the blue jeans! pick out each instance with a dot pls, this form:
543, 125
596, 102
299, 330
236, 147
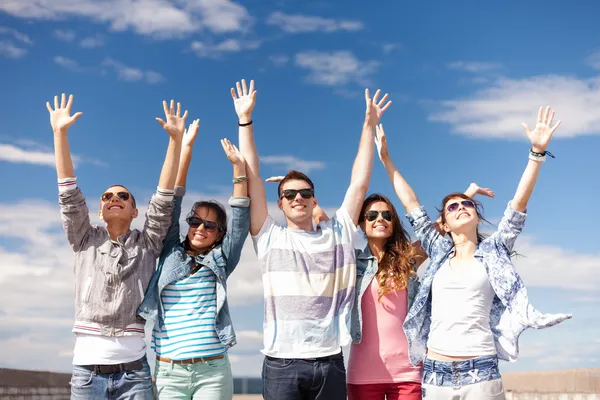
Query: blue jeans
476, 378
292, 379
127, 385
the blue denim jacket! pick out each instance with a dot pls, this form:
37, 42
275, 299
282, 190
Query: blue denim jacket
174, 264
366, 269
511, 312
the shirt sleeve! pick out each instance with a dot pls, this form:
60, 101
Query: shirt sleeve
264, 239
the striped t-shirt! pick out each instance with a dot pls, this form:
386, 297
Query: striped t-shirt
308, 280
189, 321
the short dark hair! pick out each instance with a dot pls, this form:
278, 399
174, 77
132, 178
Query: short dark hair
221, 218
294, 175
128, 191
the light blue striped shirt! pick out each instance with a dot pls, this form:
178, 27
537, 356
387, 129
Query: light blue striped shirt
190, 312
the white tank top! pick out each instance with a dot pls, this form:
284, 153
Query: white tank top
460, 311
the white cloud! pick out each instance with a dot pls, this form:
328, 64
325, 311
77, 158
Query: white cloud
92, 42
209, 50
594, 60
130, 74
157, 18
64, 35
299, 23
9, 50
287, 162
474, 66
336, 68
497, 111
546, 266
15, 34
279, 60
67, 63
14, 154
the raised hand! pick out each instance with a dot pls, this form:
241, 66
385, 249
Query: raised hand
232, 152
381, 143
189, 136
61, 118
375, 109
475, 189
244, 101
541, 135
175, 125
275, 179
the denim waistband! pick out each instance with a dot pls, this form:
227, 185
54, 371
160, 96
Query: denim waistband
479, 363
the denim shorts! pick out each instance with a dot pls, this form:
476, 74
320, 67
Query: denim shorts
460, 373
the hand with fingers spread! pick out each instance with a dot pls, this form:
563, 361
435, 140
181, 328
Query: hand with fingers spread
175, 125
232, 152
189, 136
61, 118
375, 108
541, 135
381, 143
244, 100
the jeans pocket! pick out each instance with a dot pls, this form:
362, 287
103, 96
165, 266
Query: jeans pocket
338, 365
493, 389
278, 363
81, 378
140, 375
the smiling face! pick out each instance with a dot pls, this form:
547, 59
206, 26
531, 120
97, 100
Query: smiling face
378, 228
460, 215
297, 209
203, 237
114, 206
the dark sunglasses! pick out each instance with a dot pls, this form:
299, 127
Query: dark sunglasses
372, 215
291, 194
195, 222
122, 195
454, 206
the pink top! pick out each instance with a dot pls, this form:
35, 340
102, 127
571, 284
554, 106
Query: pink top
382, 355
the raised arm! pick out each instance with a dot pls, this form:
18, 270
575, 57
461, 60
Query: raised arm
160, 209
189, 137
244, 102
175, 126
539, 137
61, 120
233, 242
363, 163
403, 190
74, 212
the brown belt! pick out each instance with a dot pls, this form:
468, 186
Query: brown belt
189, 360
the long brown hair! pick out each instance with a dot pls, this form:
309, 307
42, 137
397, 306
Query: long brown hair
396, 265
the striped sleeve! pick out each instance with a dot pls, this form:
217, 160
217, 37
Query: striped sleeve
67, 184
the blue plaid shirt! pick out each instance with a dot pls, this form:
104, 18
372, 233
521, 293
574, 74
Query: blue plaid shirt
511, 312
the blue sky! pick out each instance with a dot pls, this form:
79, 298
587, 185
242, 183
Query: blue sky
462, 77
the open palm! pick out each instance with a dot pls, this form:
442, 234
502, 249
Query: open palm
60, 117
244, 100
175, 124
375, 108
541, 135
189, 136
232, 152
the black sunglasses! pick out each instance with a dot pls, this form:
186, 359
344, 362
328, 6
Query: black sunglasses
291, 194
195, 222
122, 195
454, 206
372, 215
